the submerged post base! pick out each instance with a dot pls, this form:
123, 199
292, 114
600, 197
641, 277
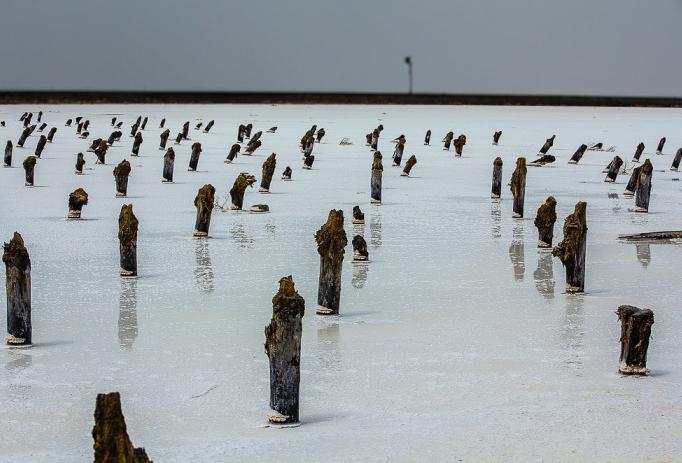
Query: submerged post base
120, 195
28, 184
628, 193
127, 273
263, 190
572, 162
640, 209
358, 222
306, 167
279, 420
15, 341
324, 310
359, 257
625, 369
574, 289
494, 196
404, 174
516, 215
375, 201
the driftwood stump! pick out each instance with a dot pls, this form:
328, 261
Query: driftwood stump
633, 182
18, 289
80, 162
359, 248
571, 250
548, 144
29, 168
676, 162
496, 191
661, 143
638, 152
121, 173
194, 158
7, 160
577, 156
137, 143
409, 165
77, 199
544, 222
375, 181
204, 203
331, 243
268, 172
127, 241
643, 192
112, 444
635, 332
242, 181
358, 216
496, 137
427, 137
168, 165
164, 139
283, 348
518, 187
613, 169
233, 153
286, 175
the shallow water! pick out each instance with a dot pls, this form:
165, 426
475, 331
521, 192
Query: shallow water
456, 341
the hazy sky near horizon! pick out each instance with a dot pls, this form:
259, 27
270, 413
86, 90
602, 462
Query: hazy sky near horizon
577, 47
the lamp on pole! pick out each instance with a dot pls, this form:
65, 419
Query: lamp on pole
408, 61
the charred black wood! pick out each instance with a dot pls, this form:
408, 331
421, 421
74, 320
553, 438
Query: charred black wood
185, 130
144, 123
320, 135
427, 137
209, 126
638, 152
676, 162
543, 160
162, 124
308, 162
68, 123
24, 135
632, 183
496, 137
137, 143
548, 144
661, 143
42, 127
178, 138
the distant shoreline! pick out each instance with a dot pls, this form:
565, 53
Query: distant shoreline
127, 97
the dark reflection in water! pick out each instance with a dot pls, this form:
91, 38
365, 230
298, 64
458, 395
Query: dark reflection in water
127, 315
271, 230
544, 274
616, 204
496, 218
240, 235
516, 252
18, 361
328, 347
572, 331
375, 230
360, 270
203, 272
643, 253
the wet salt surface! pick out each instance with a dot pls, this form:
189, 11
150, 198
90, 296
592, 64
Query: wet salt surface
456, 341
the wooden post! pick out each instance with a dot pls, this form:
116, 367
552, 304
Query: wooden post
374, 145
614, 168
198, 126
137, 143
247, 130
162, 124
448, 140
661, 143
243, 181
577, 156
459, 144
113, 121
331, 243
164, 139
676, 161
29, 167
283, 348
22, 138
194, 158
168, 164
398, 153
268, 172
496, 137
518, 187
127, 239
50, 134
77, 199
121, 173
80, 162
68, 123
144, 123
18, 289
375, 182
308, 162
409, 165
8, 154
209, 126
114, 137
204, 203
133, 129
241, 131
42, 127
360, 248
571, 250
40, 115
358, 216
632, 183
178, 138
101, 152
320, 134
286, 175
638, 152
544, 222
233, 153
635, 332
185, 130
112, 444
643, 193
548, 144
497, 178
427, 138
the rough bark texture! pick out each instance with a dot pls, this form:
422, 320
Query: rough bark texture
29, 167
204, 203
518, 187
358, 216
409, 165
643, 192
286, 175
18, 289
635, 332
459, 144
77, 199
233, 153
127, 240
496, 190
544, 222
243, 181
661, 143
638, 152
360, 248
80, 162
398, 153
676, 162
50, 134
331, 243
268, 172
632, 183
614, 168
283, 348
308, 162
448, 140
121, 173
496, 137
112, 444
571, 250
164, 139
194, 158
427, 137
136, 144
548, 144
375, 182
8, 154
168, 165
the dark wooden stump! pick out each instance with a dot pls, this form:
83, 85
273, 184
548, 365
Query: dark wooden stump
676, 162
427, 137
241, 132
409, 165
233, 153
375, 181
308, 162
448, 140
243, 181
360, 248
632, 183
127, 241
144, 123
374, 144
459, 144
185, 131
178, 138
40, 115
18, 289
22, 138
79, 127
86, 124
635, 332
164, 139
283, 348
136, 143
209, 126
252, 146
134, 129
577, 156
543, 160
101, 152
162, 124
496, 190
614, 168
571, 250
268, 172
286, 175
358, 216
29, 168
194, 158
68, 123
661, 143
331, 243
114, 137
77, 200
548, 144
113, 121
121, 173
80, 162
518, 187
496, 137
643, 193
544, 222
638, 152
51, 133
398, 153
168, 165
112, 444
8, 154
42, 127
247, 130
204, 203
320, 135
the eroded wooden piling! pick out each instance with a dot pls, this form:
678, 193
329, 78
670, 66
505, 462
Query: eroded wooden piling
7, 159
286, 175
204, 203
571, 250
112, 444
358, 216
29, 169
331, 243
448, 140
518, 187
459, 144
635, 333
163, 139
638, 152
18, 289
194, 158
544, 222
168, 165
268, 172
360, 249
548, 144
308, 162
137, 143
234, 151
496, 137
579, 153
643, 190
427, 137
632, 183
408, 166
121, 173
127, 241
375, 181
22, 138
661, 144
51, 133
676, 162
77, 199
80, 162
614, 169
496, 190
242, 181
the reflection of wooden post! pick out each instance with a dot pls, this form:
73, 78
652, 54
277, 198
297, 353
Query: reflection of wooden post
268, 172
168, 165
18, 289
233, 153
518, 187
375, 183
661, 143
496, 137
80, 162
635, 332
571, 250
8, 154
194, 158
632, 183
283, 348
29, 168
77, 199
359, 248
204, 203
643, 193
614, 168
112, 444
575, 159
331, 243
544, 222
638, 152
127, 239
121, 173
408, 166
497, 178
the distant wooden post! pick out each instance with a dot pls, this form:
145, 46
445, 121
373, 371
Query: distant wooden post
358, 216
448, 140
635, 333
375, 183
204, 203
50, 134
22, 138
144, 123
548, 144
518, 187
42, 127
331, 243
496, 137
320, 135
577, 156
112, 444
233, 153
168, 165
614, 168
459, 144
80, 162
247, 130
113, 121
29, 168
209, 126
638, 152
632, 183
68, 123
121, 173
374, 145
77, 199
18, 289
286, 175
194, 158
661, 143
162, 124
497, 178
283, 348
136, 144
427, 138
409, 165
360, 248
185, 130
676, 162
178, 138
544, 222
101, 152
242, 181
8, 154
571, 250
643, 193
268, 172
241, 131
164, 139
127, 239
308, 162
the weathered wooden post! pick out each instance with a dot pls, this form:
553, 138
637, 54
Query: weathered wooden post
448, 140
283, 348
121, 173
164, 139
548, 144
77, 199
661, 143
571, 250
194, 158
331, 243
320, 134
360, 248
27, 120
241, 131
178, 138
144, 123
127, 241
168, 164
134, 129
113, 121
268, 172
243, 181
8, 154
23, 116
198, 126
112, 444
374, 145
676, 161
497, 178
518, 187
85, 135
101, 152
185, 130
635, 333
86, 124
398, 153
29, 168
50, 134
204, 203
496, 137
233, 153
308, 162
575, 159
68, 123
632, 183
643, 192
209, 126
162, 124
358, 216
409, 165
638, 152
18, 289
614, 168
544, 222
459, 144
247, 130
137, 143
40, 116
80, 162
427, 138
22, 138
114, 137
286, 175
42, 127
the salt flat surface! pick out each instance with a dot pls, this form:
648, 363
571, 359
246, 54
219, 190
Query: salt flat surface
455, 342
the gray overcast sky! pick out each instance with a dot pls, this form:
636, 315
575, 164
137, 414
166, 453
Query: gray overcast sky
570, 47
